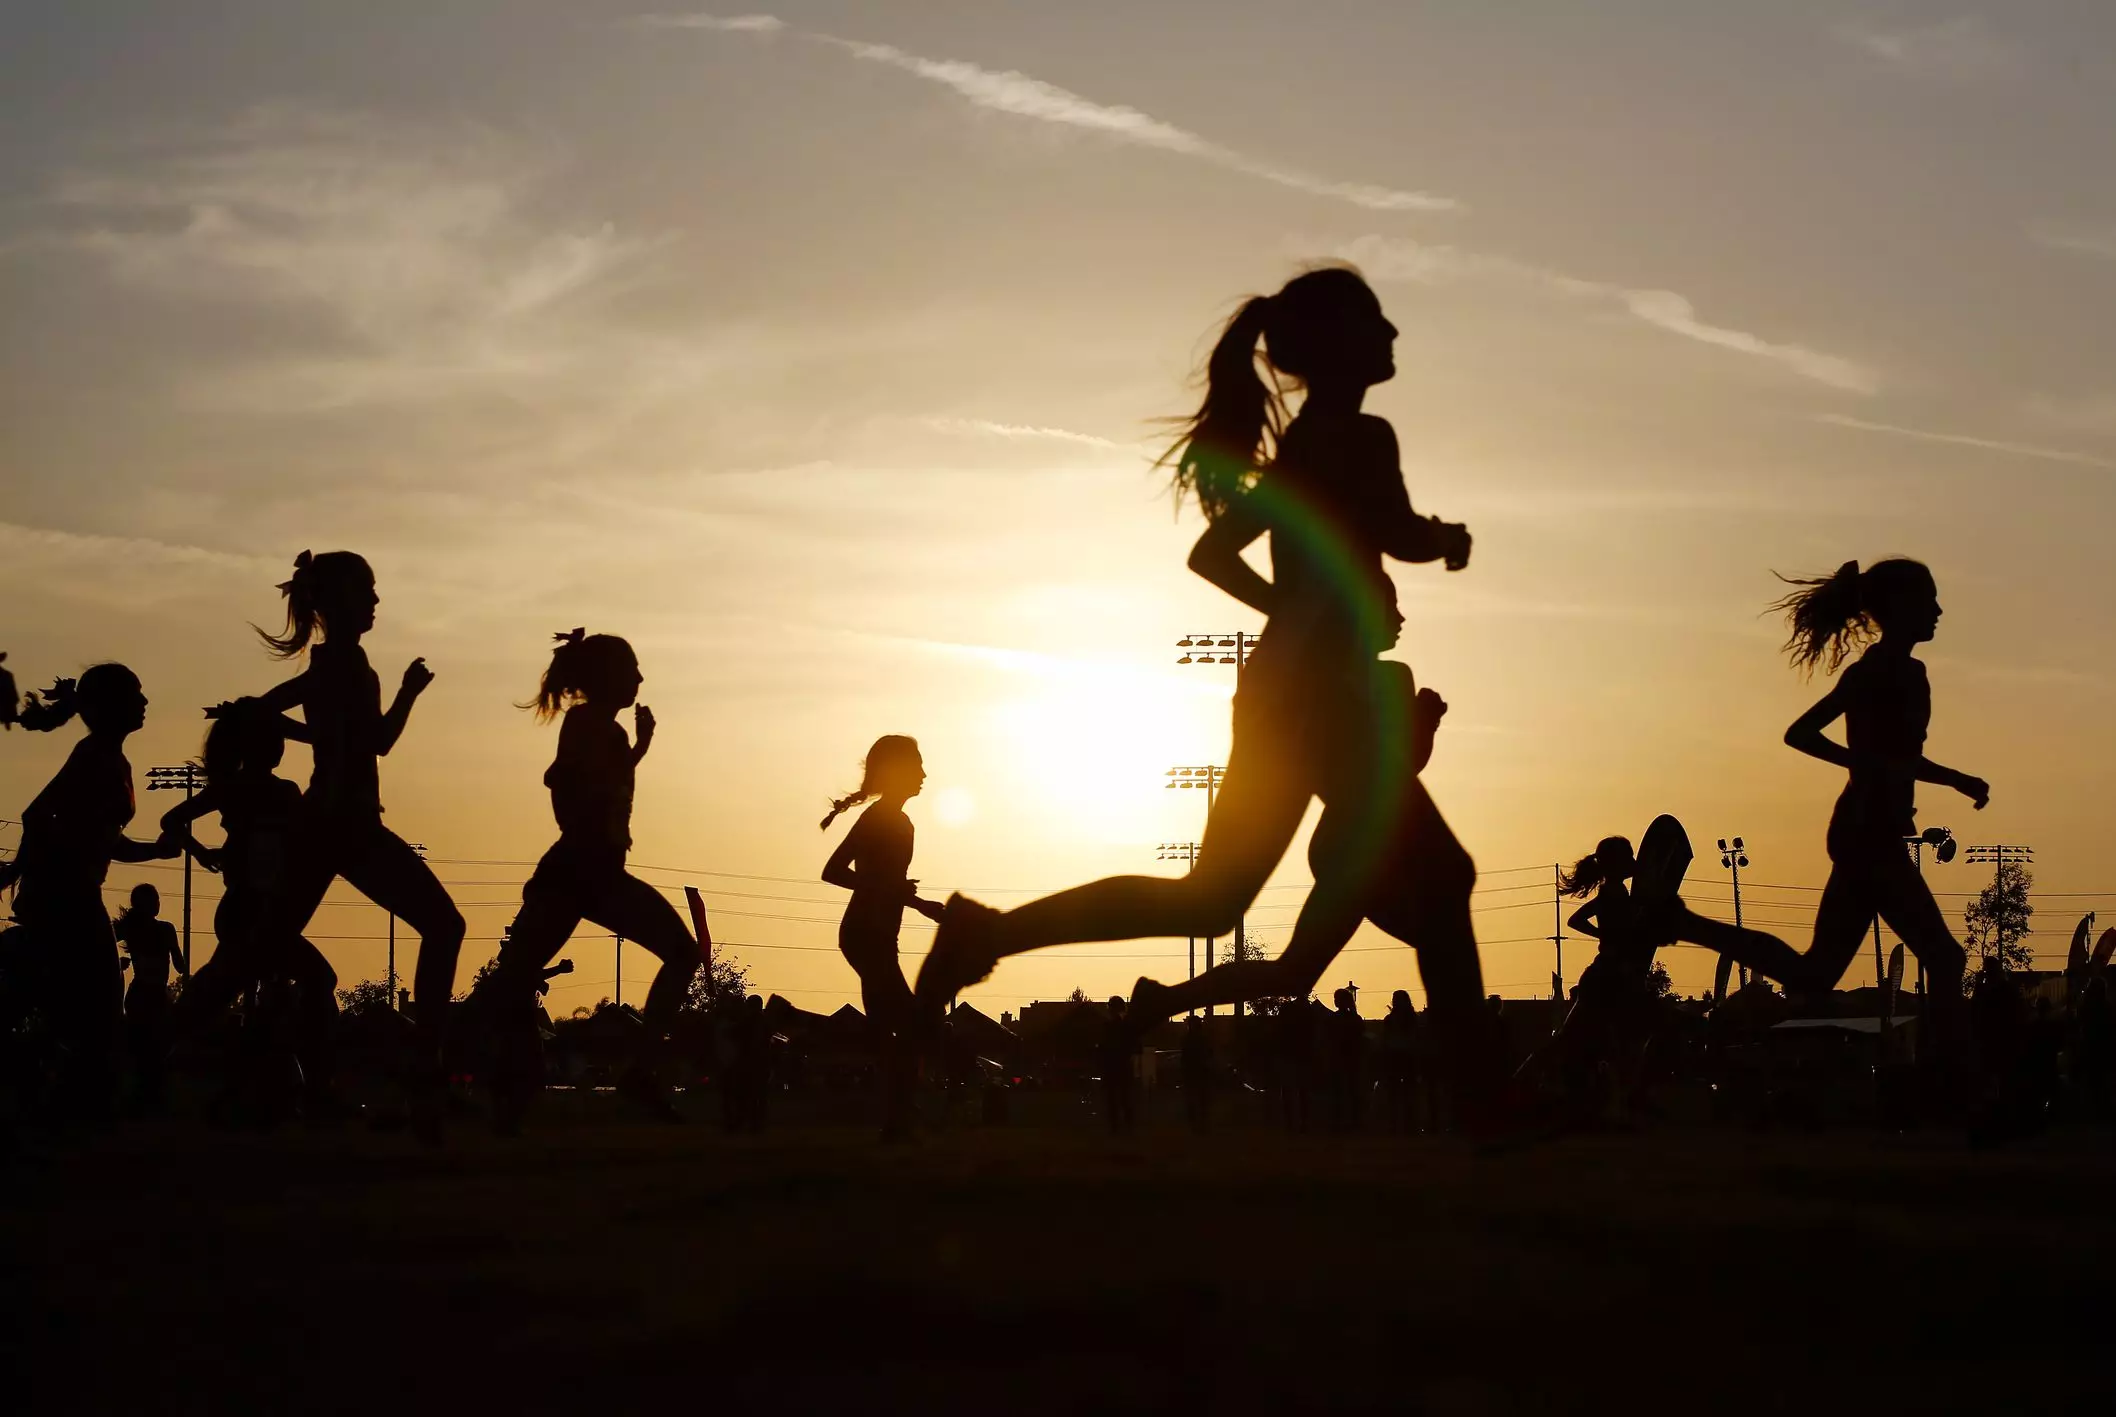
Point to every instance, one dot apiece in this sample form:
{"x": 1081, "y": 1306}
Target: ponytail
{"x": 888, "y": 751}
{"x": 54, "y": 709}
{"x": 1222, "y": 445}
{"x": 579, "y": 663}
{"x": 1826, "y": 617}
{"x": 314, "y": 579}
{"x": 1594, "y": 870}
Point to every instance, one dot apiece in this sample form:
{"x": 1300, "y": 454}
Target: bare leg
{"x": 388, "y": 872}
{"x": 637, "y": 911}
{"x": 1765, "y": 954}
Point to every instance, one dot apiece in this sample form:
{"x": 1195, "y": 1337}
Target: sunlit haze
{"x": 821, "y": 354}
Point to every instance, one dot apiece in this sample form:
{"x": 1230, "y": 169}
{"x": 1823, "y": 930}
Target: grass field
{"x": 600, "y": 1266}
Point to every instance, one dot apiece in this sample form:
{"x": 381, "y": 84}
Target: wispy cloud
{"x": 1963, "y": 440}
{"x": 727, "y": 24}
{"x": 986, "y": 428}
{"x": 1406, "y": 259}
{"x": 412, "y": 251}
{"x": 1022, "y": 95}
{"x": 1963, "y": 47}
{"x": 2099, "y": 242}
{"x": 2094, "y": 414}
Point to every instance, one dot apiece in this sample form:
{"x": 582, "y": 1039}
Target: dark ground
{"x": 602, "y": 1266}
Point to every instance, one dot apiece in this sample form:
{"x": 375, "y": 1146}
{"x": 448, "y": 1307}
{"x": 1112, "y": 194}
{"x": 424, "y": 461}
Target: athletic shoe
{"x": 965, "y": 950}
{"x": 1149, "y": 1005}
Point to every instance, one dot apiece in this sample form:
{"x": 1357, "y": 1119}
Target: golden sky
{"x": 818, "y": 353}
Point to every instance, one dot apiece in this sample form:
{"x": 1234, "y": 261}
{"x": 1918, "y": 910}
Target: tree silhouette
{"x": 721, "y": 981}
{"x": 368, "y": 996}
{"x": 1997, "y": 919}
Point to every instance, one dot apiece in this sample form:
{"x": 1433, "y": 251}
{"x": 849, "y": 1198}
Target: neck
{"x": 598, "y": 709}
{"x": 1898, "y": 645}
{"x": 893, "y": 800}
{"x": 1335, "y": 398}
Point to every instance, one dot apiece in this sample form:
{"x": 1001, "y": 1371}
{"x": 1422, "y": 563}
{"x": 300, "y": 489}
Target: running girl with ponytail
{"x": 591, "y": 678}
{"x": 1885, "y": 700}
{"x": 331, "y": 604}
{"x": 1314, "y": 715}
{"x": 874, "y": 863}
{"x": 71, "y": 834}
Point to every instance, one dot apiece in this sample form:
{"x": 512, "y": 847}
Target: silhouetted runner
{"x": 583, "y": 877}
{"x": 1885, "y": 700}
{"x": 255, "y": 946}
{"x": 1315, "y": 713}
{"x": 10, "y": 697}
{"x": 331, "y": 604}
{"x": 71, "y": 833}
{"x": 152, "y": 948}
{"x": 874, "y": 863}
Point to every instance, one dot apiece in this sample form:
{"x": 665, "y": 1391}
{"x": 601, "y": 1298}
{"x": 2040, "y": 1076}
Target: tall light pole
{"x": 1207, "y": 776}
{"x": 1187, "y": 853}
{"x": 1943, "y": 847}
{"x": 1732, "y": 857}
{"x": 1999, "y": 857}
{"x": 187, "y": 779}
{"x": 1557, "y": 939}
{"x": 419, "y": 848}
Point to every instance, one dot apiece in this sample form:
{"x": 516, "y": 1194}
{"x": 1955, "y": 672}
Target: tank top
{"x": 343, "y": 708}
{"x": 884, "y": 840}
{"x": 1887, "y": 710}
{"x": 592, "y": 782}
{"x": 68, "y": 831}
{"x": 1331, "y": 498}
{"x": 259, "y": 816}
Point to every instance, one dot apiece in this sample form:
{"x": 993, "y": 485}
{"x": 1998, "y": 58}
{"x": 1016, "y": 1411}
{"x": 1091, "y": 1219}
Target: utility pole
{"x": 1943, "y": 847}
{"x": 188, "y": 779}
{"x": 1230, "y": 648}
{"x": 2000, "y": 856}
{"x": 1733, "y": 857}
{"x": 1187, "y": 853}
{"x": 1207, "y": 776}
{"x": 620, "y": 971}
{"x": 419, "y": 849}
{"x": 1557, "y": 939}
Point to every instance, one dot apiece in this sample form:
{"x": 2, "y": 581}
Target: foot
{"x": 965, "y": 950}
{"x": 1149, "y": 1005}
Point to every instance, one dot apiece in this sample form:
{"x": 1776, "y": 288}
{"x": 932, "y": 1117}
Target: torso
{"x": 259, "y": 817}
{"x": 1327, "y": 497}
{"x": 1887, "y": 710}
{"x": 152, "y": 945}
{"x": 882, "y": 841}
{"x": 592, "y": 782}
{"x": 68, "y": 831}
{"x": 343, "y": 709}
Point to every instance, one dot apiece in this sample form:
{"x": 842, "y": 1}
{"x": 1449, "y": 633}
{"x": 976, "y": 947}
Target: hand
{"x": 1457, "y": 545}
{"x": 208, "y": 857}
{"x": 1975, "y": 789}
{"x": 643, "y": 726}
{"x": 911, "y": 892}
{"x": 167, "y": 847}
{"x": 932, "y": 909}
{"x": 416, "y": 677}
{"x": 1431, "y": 707}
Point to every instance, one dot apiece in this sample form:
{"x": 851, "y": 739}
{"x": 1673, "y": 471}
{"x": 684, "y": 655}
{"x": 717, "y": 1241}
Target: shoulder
{"x": 1372, "y": 433}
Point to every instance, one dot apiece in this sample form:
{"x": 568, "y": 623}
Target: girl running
{"x": 331, "y": 604}
{"x": 261, "y": 814}
{"x": 152, "y": 947}
{"x": 583, "y": 877}
{"x": 1885, "y": 700}
{"x": 71, "y": 834}
{"x": 1315, "y": 714}
{"x": 874, "y": 863}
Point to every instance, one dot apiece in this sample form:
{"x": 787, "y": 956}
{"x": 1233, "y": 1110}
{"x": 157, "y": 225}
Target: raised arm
{"x": 1585, "y": 921}
{"x": 643, "y": 732}
{"x": 838, "y": 870}
{"x": 294, "y": 693}
{"x": 1404, "y": 534}
{"x": 416, "y": 677}
{"x": 1805, "y": 735}
{"x": 176, "y": 826}
{"x": 1218, "y": 557}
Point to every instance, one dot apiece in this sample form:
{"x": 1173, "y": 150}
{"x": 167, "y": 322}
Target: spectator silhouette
{"x": 1293, "y": 1040}
{"x": 1346, "y": 1052}
{"x": 71, "y": 833}
{"x": 10, "y": 697}
{"x": 260, "y": 816}
{"x": 1115, "y": 1054}
{"x": 1885, "y": 700}
{"x": 591, "y": 679}
{"x": 1398, "y": 1063}
{"x": 1197, "y": 1075}
{"x": 331, "y": 603}
{"x": 874, "y": 863}
{"x": 151, "y": 945}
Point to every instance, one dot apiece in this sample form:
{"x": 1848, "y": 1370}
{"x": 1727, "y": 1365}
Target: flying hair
{"x": 1829, "y": 617}
{"x": 580, "y": 663}
{"x": 52, "y": 709}
{"x": 1269, "y": 344}
{"x": 306, "y": 591}
{"x": 1594, "y": 870}
{"x": 889, "y": 750}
